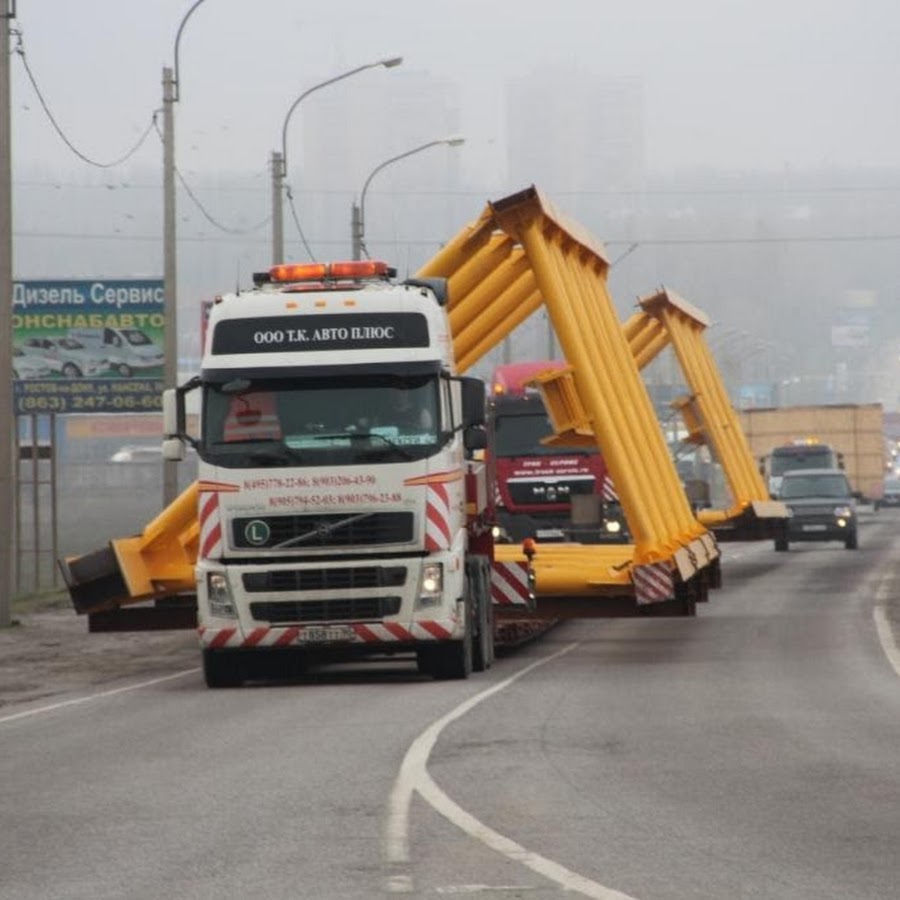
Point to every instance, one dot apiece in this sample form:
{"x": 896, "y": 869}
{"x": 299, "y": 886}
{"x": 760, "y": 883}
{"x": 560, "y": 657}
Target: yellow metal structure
{"x": 666, "y": 319}
{"x": 521, "y": 253}
{"x": 155, "y": 564}
{"x": 518, "y": 255}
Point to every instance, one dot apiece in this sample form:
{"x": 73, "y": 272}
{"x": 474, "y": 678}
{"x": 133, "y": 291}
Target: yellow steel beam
{"x": 707, "y": 412}
{"x": 570, "y": 270}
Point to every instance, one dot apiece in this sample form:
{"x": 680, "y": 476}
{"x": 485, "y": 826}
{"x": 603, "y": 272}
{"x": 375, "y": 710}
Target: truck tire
{"x": 124, "y": 370}
{"x": 221, "y": 669}
{"x": 70, "y": 370}
{"x": 852, "y": 542}
{"x": 781, "y": 543}
{"x": 452, "y": 659}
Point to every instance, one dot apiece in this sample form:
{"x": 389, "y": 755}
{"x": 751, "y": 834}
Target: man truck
{"x": 546, "y": 489}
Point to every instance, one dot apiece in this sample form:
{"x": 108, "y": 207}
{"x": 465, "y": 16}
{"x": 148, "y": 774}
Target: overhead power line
{"x": 20, "y": 51}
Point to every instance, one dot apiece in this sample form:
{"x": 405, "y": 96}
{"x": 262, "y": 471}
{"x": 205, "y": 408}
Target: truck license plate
{"x": 813, "y": 527}
{"x": 318, "y": 634}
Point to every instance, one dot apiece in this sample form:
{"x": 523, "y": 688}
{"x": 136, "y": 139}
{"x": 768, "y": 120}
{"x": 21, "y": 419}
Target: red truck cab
{"x": 545, "y": 491}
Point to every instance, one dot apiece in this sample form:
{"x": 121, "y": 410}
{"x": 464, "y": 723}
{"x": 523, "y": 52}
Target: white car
{"x": 66, "y": 355}
{"x": 29, "y": 366}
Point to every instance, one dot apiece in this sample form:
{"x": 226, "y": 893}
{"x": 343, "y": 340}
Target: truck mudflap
{"x": 232, "y": 637}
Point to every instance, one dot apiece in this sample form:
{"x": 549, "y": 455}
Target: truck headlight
{"x": 843, "y": 512}
{"x": 218, "y": 592}
{"x": 613, "y": 526}
{"x": 431, "y": 587}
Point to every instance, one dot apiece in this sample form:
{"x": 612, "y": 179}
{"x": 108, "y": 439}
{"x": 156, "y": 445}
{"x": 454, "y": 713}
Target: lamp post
{"x": 170, "y": 369}
{"x": 7, "y": 419}
{"x": 279, "y": 160}
{"x": 357, "y": 217}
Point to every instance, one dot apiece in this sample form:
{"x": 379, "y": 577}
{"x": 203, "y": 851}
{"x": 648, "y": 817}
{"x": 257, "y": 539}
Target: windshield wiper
{"x": 362, "y": 435}
{"x": 275, "y": 454}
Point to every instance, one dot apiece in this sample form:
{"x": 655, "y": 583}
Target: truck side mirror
{"x": 474, "y": 438}
{"x": 473, "y": 401}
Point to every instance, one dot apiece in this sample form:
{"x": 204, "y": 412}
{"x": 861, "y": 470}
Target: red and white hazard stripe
{"x": 437, "y": 518}
{"x": 608, "y": 489}
{"x": 653, "y": 583}
{"x": 367, "y": 633}
{"x": 509, "y": 584}
{"x": 210, "y": 526}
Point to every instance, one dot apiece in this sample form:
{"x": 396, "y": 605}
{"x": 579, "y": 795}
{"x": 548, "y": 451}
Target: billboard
{"x": 88, "y": 346}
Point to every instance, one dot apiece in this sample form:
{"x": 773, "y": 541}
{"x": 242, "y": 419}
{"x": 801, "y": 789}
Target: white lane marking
{"x": 413, "y": 777}
{"x": 100, "y": 696}
{"x": 883, "y": 626}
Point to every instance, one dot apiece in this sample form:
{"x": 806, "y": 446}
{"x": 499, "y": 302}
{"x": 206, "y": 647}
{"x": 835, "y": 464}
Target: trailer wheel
{"x": 221, "y": 669}
{"x": 483, "y": 656}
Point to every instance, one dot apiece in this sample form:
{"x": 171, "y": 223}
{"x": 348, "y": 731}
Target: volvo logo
{"x": 257, "y": 532}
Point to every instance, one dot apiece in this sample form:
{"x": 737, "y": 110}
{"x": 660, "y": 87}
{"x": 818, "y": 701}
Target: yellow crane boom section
{"x": 521, "y": 253}
{"x": 666, "y": 319}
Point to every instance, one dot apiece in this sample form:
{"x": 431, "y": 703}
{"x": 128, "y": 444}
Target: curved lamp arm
{"x": 387, "y": 63}
{"x": 187, "y": 15}
{"x": 450, "y": 142}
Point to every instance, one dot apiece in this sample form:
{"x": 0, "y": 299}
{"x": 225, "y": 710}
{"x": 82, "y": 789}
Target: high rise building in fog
{"x": 570, "y": 132}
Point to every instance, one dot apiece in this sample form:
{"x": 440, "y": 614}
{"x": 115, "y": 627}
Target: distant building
{"x": 571, "y": 133}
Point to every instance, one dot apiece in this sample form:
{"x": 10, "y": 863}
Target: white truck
{"x": 340, "y": 507}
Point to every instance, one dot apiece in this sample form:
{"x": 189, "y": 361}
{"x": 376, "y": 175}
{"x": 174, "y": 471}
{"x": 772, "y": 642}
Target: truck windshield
{"x": 320, "y": 421}
{"x": 788, "y": 458}
{"x": 521, "y": 436}
{"x": 797, "y": 487}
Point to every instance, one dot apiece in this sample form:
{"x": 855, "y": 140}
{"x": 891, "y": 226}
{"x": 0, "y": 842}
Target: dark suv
{"x": 821, "y": 505}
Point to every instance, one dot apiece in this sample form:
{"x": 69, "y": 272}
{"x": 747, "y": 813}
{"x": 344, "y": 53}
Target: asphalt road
{"x": 751, "y": 752}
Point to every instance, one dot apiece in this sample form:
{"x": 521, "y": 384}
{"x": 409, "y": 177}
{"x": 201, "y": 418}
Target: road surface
{"x": 750, "y": 752}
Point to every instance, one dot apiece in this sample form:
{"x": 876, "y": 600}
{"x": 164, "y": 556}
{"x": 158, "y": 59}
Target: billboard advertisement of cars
{"x": 82, "y": 346}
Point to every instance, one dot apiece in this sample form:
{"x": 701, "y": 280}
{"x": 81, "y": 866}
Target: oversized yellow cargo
{"x": 854, "y": 431}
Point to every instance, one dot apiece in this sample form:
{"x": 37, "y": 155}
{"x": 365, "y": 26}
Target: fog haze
{"x": 742, "y": 153}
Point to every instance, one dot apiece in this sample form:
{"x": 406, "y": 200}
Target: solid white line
{"x": 414, "y": 777}
{"x": 883, "y": 627}
{"x": 102, "y": 695}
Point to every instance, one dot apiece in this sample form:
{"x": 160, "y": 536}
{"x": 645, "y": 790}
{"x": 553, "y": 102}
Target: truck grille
{"x": 324, "y": 579}
{"x": 325, "y": 530}
{"x": 533, "y": 493}
{"x": 353, "y": 609}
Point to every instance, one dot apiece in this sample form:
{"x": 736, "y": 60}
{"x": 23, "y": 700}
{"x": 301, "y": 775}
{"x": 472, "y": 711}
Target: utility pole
{"x": 7, "y": 419}
{"x": 278, "y": 174}
{"x": 356, "y": 232}
{"x": 170, "y": 370}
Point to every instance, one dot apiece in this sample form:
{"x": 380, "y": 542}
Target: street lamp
{"x": 357, "y": 220}
{"x": 170, "y": 369}
{"x": 279, "y": 160}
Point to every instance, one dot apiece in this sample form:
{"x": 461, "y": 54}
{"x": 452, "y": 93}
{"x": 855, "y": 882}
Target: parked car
{"x": 891, "y": 492}
{"x": 822, "y": 507}
{"x": 66, "y": 355}
{"x": 138, "y": 453}
{"x": 127, "y": 349}
{"x": 25, "y": 366}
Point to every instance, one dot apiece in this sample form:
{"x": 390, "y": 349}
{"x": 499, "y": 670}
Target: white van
{"x": 127, "y": 349}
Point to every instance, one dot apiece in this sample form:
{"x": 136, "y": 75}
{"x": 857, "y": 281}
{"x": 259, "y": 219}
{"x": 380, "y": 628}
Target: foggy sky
{"x": 732, "y": 84}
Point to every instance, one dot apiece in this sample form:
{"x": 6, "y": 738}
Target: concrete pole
{"x": 170, "y": 373}
{"x": 356, "y": 231}
{"x": 277, "y": 208}
{"x": 7, "y": 419}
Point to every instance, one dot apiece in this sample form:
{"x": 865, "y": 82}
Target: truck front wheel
{"x": 221, "y": 669}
